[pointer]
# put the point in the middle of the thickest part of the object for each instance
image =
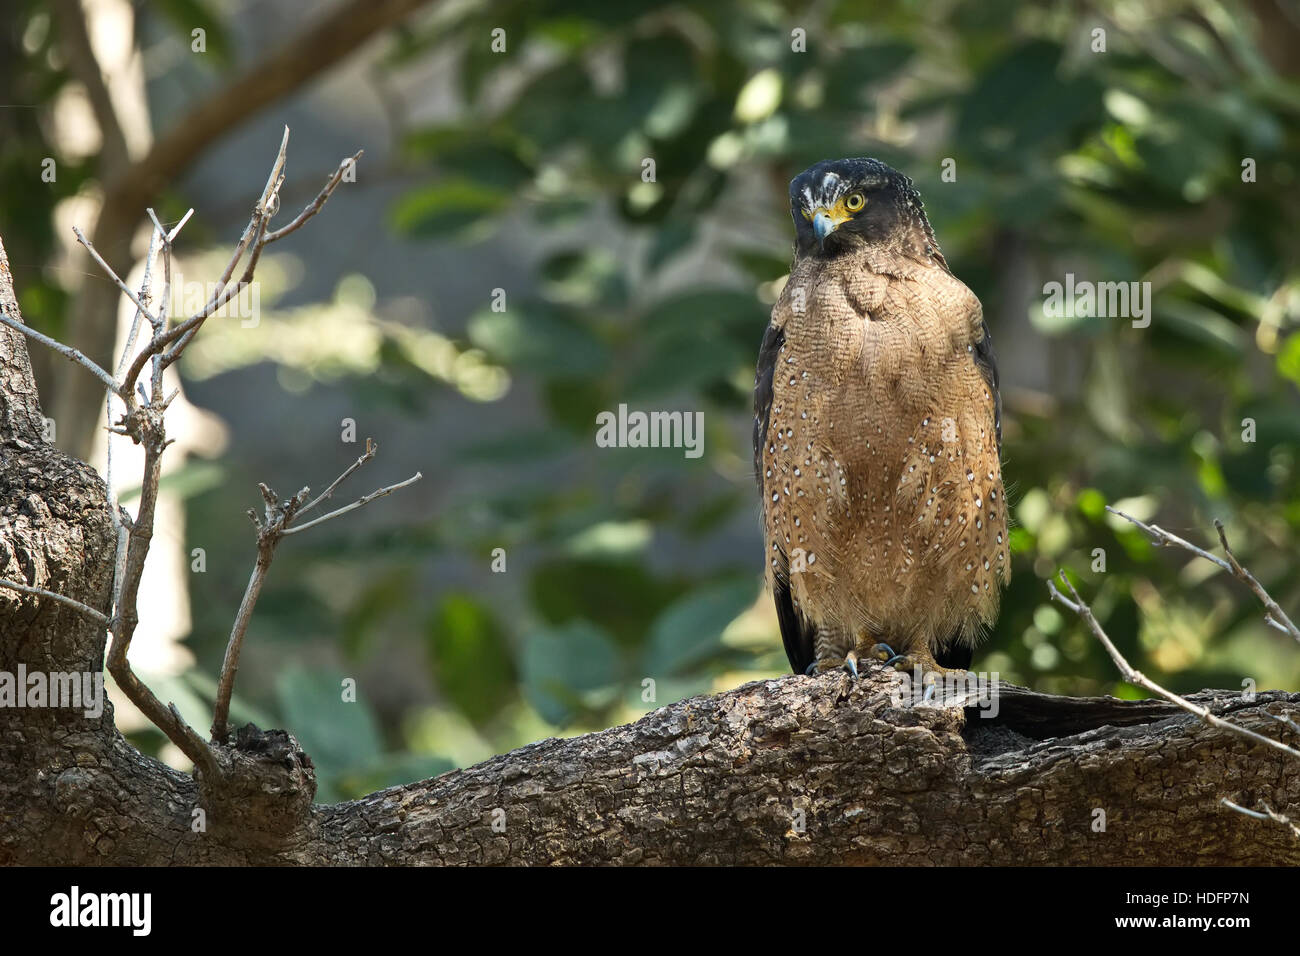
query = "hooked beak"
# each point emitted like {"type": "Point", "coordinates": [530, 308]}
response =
{"type": "Point", "coordinates": [823, 225]}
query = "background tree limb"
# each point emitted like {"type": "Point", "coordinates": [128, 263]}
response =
{"type": "Point", "coordinates": [129, 188]}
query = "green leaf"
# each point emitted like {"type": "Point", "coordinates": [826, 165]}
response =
{"type": "Point", "coordinates": [697, 338]}
{"type": "Point", "coordinates": [720, 311]}
{"type": "Point", "coordinates": [1288, 358]}
{"type": "Point", "coordinates": [190, 15]}
{"type": "Point", "coordinates": [684, 362]}
{"type": "Point", "coordinates": [671, 239]}
{"type": "Point", "coordinates": [1203, 326]}
{"type": "Point", "coordinates": [575, 403]}
{"type": "Point", "coordinates": [380, 597]}
{"type": "Point", "coordinates": [583, 276]}
{"type": "Point", "coordinates": [619, 596]}
{"type": "Point", "coordinates": [561, 664]}
{"type": "Point", "coordinates": [494, 160]}
{"type": "Point", "coordinates": [1022, 102]}
{"type": "Point", "coordinates": [472, 662]}
{"type": "Point", "coordinates": [761, 264]}
{"type": "Point", "coordinates": [539, 337]}
{"type": "Point", "coordinates": [613, 540]}
{"type": "Point", "coordinates": [689, 631]}
{"type": "Point", "coordinates": [558, 109]}
{"type": "Point", "coordinates": [452, 207]}
{"type": "Point", "coordinates": [859, 67]}
{"type": "Point", "coordinates": [335, 733]}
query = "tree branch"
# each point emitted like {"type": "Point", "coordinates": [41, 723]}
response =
{"type": "Point", "coordinates": [126, 192]}
{"type": "Point", "coordinates": [1138, 679]}
{"type": "Point", "coordinates": [83, 609]}
{"type": "Point", "coordinates": [278, 518]}
{"type": "Point", "coordinates": [84, 65]}
{"type": "Point", "coordinates": [370, 452]}
{"type": "Point", "coordinates": [315, 206]}
{"type": "Point", "coordinates": [1267, 813]}
{"type": "Point", "coordinates": [143, 422]}
{"type": "Point", "coordinates": [363, 500]}
{"type": "Point", "coordinates": [821, 770]}
{"type": "Point", "coordinates": [67, 351]}
{"type": "Point", "coordinates": [1276, 617]}
{"type": "Point", "coordinates": [112, 274]}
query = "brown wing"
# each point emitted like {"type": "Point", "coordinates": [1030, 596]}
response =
{"type": "Point", "coordinates": [984, 361]}
{"type": "Point", "coordinates": [796, 633]}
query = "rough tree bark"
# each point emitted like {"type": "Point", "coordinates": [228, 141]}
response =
{"type": "Point", "coordinates": [799, 770]}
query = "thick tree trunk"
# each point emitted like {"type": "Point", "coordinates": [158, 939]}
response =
{"type": "Point", "coordinates": [799, 770]}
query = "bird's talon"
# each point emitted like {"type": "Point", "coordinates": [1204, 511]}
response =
{"type": "Point", "coordinates": [883, 652]}
{"type": "Point", "coordinates": [851, 664]}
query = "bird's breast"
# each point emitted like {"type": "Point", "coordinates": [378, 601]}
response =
{"type": "Point", "coordinates": [881, 458]}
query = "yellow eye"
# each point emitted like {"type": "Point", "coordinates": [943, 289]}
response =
{"type": "Point", "coordinates": [855, 202]}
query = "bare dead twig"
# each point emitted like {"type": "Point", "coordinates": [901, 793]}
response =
{"type": "Point", "coordinates": [108, 270]}
{"type": "Point", "coordinates": [1135, 677]}
{"type": "Point", "coordinates": [142, 420]}
{"type": "Point", "coordinates": [1268, 813]}
{"type": "Point", "coordinates": [268, 536]}
{"type": "Point", "coordinates": [1286, 722]}
{"type": "Point", "coordinates": [84, 609]}
{"type": "Point", "coordinates": [146, 285]}
{"type": "Point", "coordinates": [360, 502]}
{"type": "Point", "coordinates": [275, 525]}
{"type": "Point", "coordinates": [289, 63]}
{"type": "Point", "coordinates": [126, 615]}
{"type": "Point", "coordinates": [1138, 679]}
{"type": "Point", "coordinates": [371, 449]}
{"type": "Point", "coordinates": [253, 241]}
{"type": "Point", "coordinates": [330, 185]}
{"type": "Point", "coordinates": [169, 237]}
{"type": "Point", "coordinates": [67, 351]}
{"type": "Point", "coordinates": [1275, 617]}
{"type": "Point", "coordinates": [265, 207]}
{"type": "Point", "coordinates": [230, 661]}
{"type": "Point", "coordinates": [114, 512]}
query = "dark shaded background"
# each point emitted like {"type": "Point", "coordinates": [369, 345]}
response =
{"type": "Point", "coordinates": [522, 171]}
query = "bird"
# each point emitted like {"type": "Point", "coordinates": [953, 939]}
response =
{"type": "Point", "coordinates": [878, 436]}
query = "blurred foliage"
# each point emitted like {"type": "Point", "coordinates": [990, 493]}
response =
{"type": "Point", "coordinates": [634, 566]}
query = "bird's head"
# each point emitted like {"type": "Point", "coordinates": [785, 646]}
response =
{"type": "Point", "coordinates": [838, 199]}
